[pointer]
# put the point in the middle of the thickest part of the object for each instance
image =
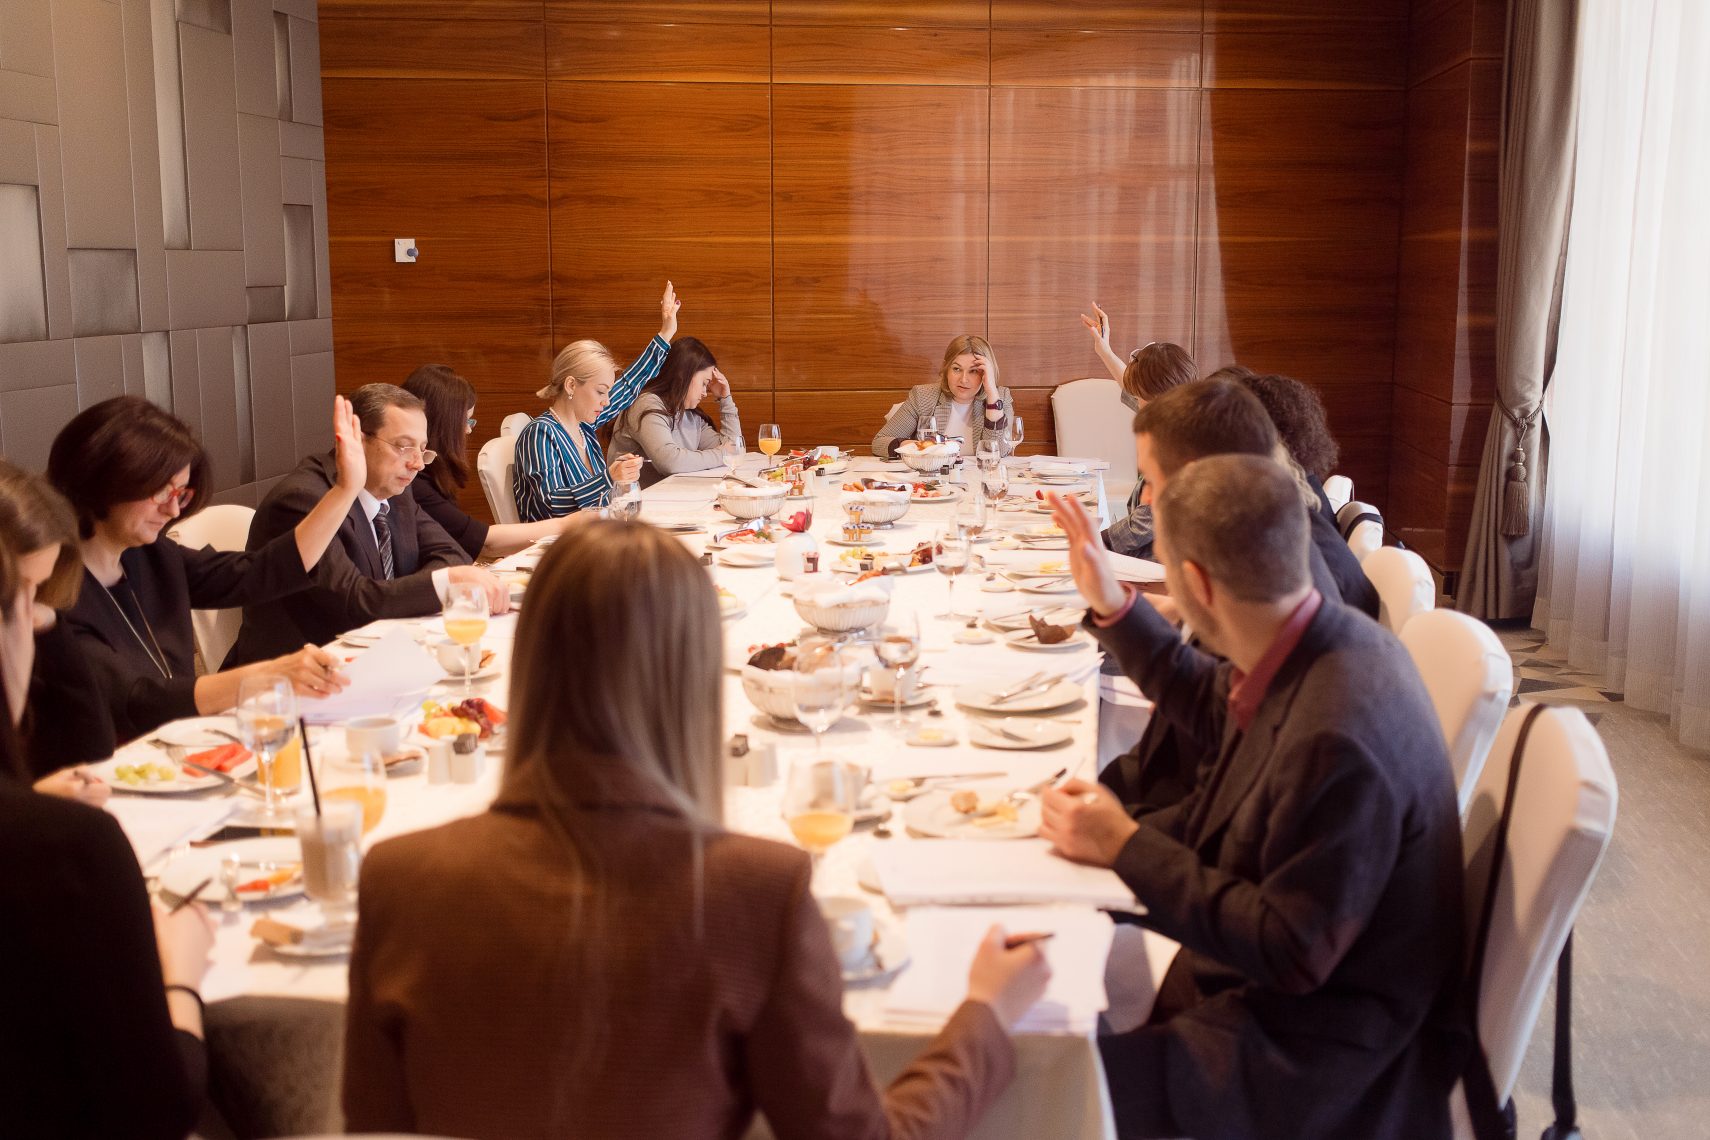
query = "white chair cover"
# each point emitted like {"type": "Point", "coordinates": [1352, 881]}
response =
{"type": "Point", "coordinates": [1362, 526]}
{"type": "Point", "coordinates": [513, 423]}
{"type": "Point", "coordinates": [1404, 585]}
{"type": "Point", "coordinates": [223, 528]}
{"type": "Point", "coordinates": [1564, 814]}
{"type": "Point", "coordinates": [1470, 678]}
{"type": "Point", "coordinates": [1339, 489]}
{"type": "Point", "coordinates": [493, 466]}
{"type": "Point", "coordinates": [1093, 422]}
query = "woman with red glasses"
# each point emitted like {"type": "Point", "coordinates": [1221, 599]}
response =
{"type": "Point", "coordinates": [130, 471]}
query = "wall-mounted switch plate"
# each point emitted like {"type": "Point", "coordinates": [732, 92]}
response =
{"type": "Point", "coordinates": [403, 250]}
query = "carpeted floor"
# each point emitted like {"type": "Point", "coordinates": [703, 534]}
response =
{"type": "Point", "coordinates": [1641, 1018]}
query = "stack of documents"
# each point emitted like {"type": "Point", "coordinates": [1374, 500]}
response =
{"type": "Point", "coordinates": [959, 872]}
{"type": "Point", "coordinates": [156, 825]}
{"type": "Point", "coordinates": [943, 942]}
{"type": "Point", "coordinates": [1129, 569]}
{"type": "Point", "coordinates": [385, 680]}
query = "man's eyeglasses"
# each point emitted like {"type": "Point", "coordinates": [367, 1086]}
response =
{"type": "Point", "coordinates": [183, 495]}
{"type": "Point", "coordinates": [407, 450]}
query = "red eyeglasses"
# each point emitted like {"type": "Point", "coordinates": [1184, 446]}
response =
{"type": "Point", "coordinates": [183, 495]}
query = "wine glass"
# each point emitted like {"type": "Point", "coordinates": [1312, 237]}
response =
{"type": "Point", "coordinates": [951, 558]}
{"type": "Point", "coordinates": [769, 441]}
{"type": "Point", "coordinates": [898, 649]}
{"type": "Point", "coordinates": [820, 800]}
{"type": "Point", "coordinates": [466, 623]}
{"type": "Point", "coordinates": [626, 501]}
{"type": "Point", "coordinates": [819, 686]}
{"type": "Point", "coordinates": [973, 521]}
{"type": "Point", "coordinates": [1014, 433]}
{"type": "Point", "coordinates": [994, 480]}
{"type": "Point", "coordinates": [267, 720]}
{"type": "Point", "coordinates": [730, 450]}
{"type": "Point", "coordinates": [989, 450]}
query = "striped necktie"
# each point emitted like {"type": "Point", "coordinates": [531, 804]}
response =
{"type": "Point", "coordinates": [383, 539]}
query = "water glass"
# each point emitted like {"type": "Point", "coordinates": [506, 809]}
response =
{"type": "Point", "coordinates": [819, 686]}
{"type": "Point", "coordinates": [898, 649]}
{"type": "Point", "coordinates": [951, 558]}
{"type": "Point", "coordinates": [267, 720]}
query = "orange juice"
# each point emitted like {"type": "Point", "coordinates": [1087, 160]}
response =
{"type": "Point", "coordinates": [769, 446]}
{"type": "Point", "coordinates": [372, 799]}
{"type": "Point", "coordinates": [818, 830]}
{"type": "Point", "coordinates": [287, 774]}
{"type": "Point", "coordinates": [464, 630]}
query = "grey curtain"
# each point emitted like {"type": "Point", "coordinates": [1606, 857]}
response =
{"type": "Point", "coordinates": [1535, 188]}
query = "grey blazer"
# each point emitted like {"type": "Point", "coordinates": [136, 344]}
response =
{"type": "Point", "coordinates": [922, 401]}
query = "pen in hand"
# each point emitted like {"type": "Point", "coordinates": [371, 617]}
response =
{"type": "Point", "coordinates": [190, 896]}
{"type": "Point", "coordinates": [1016, 941]}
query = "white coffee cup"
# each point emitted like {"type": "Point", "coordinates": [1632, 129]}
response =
{"type": "Point", "coordinates": [883, 683]}
{"type": "Point", "coordinates": [851, 924]}
{"type": "Point", "coordinates": [381, 735]}
{"type": "Point", "coordinates": [454, 658]}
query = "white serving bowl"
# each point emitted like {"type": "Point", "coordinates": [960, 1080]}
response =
{"type": "Point", "coordinates": [843, 617]}
{"type": "Point", "coordinates": [744, 502]}
{"type": "Point", "coordinates": [769, 689]}
{"type": "Point", "coordinates": [879, 507]}
{"type": "Point", "coordinates": [931, 458]}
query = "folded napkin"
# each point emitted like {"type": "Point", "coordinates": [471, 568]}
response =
{"type": "Point", "coordinates": [834, 593]}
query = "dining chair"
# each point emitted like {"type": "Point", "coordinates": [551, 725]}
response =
{"type": "Point", "coordinates": [223, 527]}
{"type": "Point", "coordinates": [1361, 526]}
{"type": "Point", "coordinates": [513, 423]}
{"type": "Point", "coordinates": [1563, 812]}
{"type": "Point", "coordinates": [1092, 421]}
{"type": "Point", "coordinates": [1339, 489]}
{"type": "Point", "coordinates": [494, 465]}
{"type": "Point", "coordinates": [1404, 585]}
{"type": "Point", "coordinates": [1469, 677]}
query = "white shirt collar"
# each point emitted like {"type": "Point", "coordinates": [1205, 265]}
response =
{"type": "Point", "coordinates": [370, 505]}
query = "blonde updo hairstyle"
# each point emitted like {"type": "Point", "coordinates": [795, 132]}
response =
{"type": "Point", "coordinates": [967, 342]}
{"type": "Point", "coordinates": [574, 363]}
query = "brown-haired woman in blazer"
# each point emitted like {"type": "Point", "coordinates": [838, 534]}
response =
{"type": "Point", "coordinates": [598, 957]}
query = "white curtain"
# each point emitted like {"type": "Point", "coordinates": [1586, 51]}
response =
{"type": "Point", "coordinates": [1625, 579]}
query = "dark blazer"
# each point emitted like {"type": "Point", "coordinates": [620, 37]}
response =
{"type": "Point", "coordinates": [1313, 878]}
{"type": "Point", "coordinates": [168, 581]}
{"type": "Point", "coordinates": [67, 720]}
{"type": "Point", "coordinates": [1328, 546]}
{"type": "Point", "coordinates": [89, 1046]}
{"type": "Point", "coordinates": [465, 530]}
{"type": "Point", "coordinates": [347, 589]}
{"type": "Point", "coordinates": [460, 996]}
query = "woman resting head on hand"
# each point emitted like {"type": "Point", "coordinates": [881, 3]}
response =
{"type": "Point", "coordinates": [965, 403]}
{"type": "Point", "coordinates": [666, 426]}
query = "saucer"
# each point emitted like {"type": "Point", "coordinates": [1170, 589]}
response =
{"type": "Point", "coordinates": [887, 957]}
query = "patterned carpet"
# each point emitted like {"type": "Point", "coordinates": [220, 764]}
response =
{"type": "Point", "coordinates": [1543, 676]}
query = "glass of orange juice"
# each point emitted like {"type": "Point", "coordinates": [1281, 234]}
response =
{"type": "Point", "coordinates": [770, 439]}
{"type": "Point", "coordinates": [466, 623]}
{"type": "Point", "coordinates": [820, 801]}
{"type": "Point", "coordinates": [286, 775]}
{"type": "Point", "coordinates": [359, 778]}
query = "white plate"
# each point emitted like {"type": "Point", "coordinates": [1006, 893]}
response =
{"type": "Point", "coordinates": [942, 497]}
{"type": "Point", "coordinates": [1037, 733]}
{"type": "Point", "coordinates": [486, 674]}
{"type": "Point", "coordinates": [746, 557]}
{"type": "Point", "coordinates": [184, 872]}
{"type": "Point", "coordinates": [197, 732]}
{"type": "Point", "coordinates": [1026, 639]}
{"type": "Point", "coordinates": [835, 541]}
{"type": "Point", "coordinates": [1065, 614]}
{"type": "Point", "coordinates": [730, 606]}
{"type": "Point", "coordinates": [1057, 480]}
{"type": "Point", "coordinates": [867, 696]}
{"type": "Point", "coordinates": [133, 754]}
{"type": "Point", "coordinates": [931, 814]}
{"type": "Point", "coordinates": [299, 953]}
{"type": "Point", "coordinates": [979, 697]}
{"type": "Point", "coordinates": [357, 639]}
{"type": "Point", "coordinates": [1045, 585]}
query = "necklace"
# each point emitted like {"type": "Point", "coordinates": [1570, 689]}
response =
{"type": "Point", "coordinates": [155, 654]}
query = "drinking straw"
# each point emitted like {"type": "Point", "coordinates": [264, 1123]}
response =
{"type": "Point", "coordinates": [309, 764]}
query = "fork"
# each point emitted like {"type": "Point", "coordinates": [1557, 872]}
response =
{"type": "Point", "coordinates": [1042, 682]}
{"type": "Point", "coordinates": [1007, 694]}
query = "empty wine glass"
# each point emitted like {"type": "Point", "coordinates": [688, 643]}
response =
{"type": "Point", "coordinates": [267, 719]}
{"type": "Point", "coordinates": [1014, 433]}
{"type": "Point", "coordinates": [951, 558]}
{"type": "Point", "coordinates": [898, 649]}
{"type": "Point", "coordinates": [819, 686]}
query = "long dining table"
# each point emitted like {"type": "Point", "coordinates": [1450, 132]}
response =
{"type": "Point", "coordinates": [275, 1022]}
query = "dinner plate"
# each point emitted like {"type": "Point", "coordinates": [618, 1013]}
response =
{"type": "Point", "coordinates": [198, 732]}
{"type": "Point", "coordinates": [730, 606]}
{"type": "Point", "coordinates": [486, 674]}
{"type": "Point", "coordinates": [940, 497]}
{"type": "Point", "coordinates": [1036, 584]}
{"type": "Point", "coordinates": [298, 952]}
{"type": "Point", "coordinates": [1065, 614]}
{"type": "Point", "coordinates": [131, 755]}
{"type": "Point", "coordinates": [1032, 731]}
{"type": "Point", "coordinates": [1055, 480]}
{"type": "Point", "coordinates": [258, 856]}
{"type": "Point", "coordinates": [1027, 639]}
{"type": "Point", "coordinates": [358, 639]}
{"type": "Point", "coordinates": [745, 557]}
{"type": "Point", "coordinates": [931, 814]}
{"type": "Point", "coordinates": [835, 541]}
{"type": "Point", "coordinates": [979, 698]}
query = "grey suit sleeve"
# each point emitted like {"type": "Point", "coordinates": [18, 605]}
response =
{"type": "Point", "coordinates": [902, 423]}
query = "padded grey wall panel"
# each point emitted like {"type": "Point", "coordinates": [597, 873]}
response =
{"type": "Point", "coordinates": [252, 44]}
{"type": "Point", "coordinates": [23, 288]}
{"type": "Point", "coordinates": [270, 400]}
{"type": "Point", "coordinates": [157, 367]}
{"type": "Point", "coordinates": [131, 354]}
{"type": "Point", "coordinates": [281, 65]}
{"type": "Point", "coordinates": [266, 304]}
{"type": "Point", "coordinates": [147, 206]}
{"type": "Point", "coordinates": [263, 202]}
{"type": "Point", "coordinates": [302, 9]}
{"type": "Point", "coordinates": [300, 140]}
{"type": "Point", "coordinates": [211, 138]}
{"type": "Point", "coordinates": [94, 121]}
{"type": "Point", "coordinates": [305, 72]}
{"type": "Point", "coordinates": [27, 98]}
{"type": "Point", "coordinates": [37, 364]}
{"type": "Point", "coordinates": [217, 382]}
{"type": "Point", "coordinates": [311, 394]}
{"type": "Point", "coordinates": [26, 36]}
{"type": "Point", "coordinates": [240, 396]}
{"type": "Point", "coordinates": [169, 123]}
{"type": "Point", "coordinates": [323, 264]}
{"type": "Point", "coordinates": [215, 15]}
{"type": "Point", "coordinates": [103, 292]}
{"type": "Point", "coordinates": [205, 288]}
{"type": "Point", "coordinates": [186, 385]}
{"type": "Point", "coordinates": [300, 263]}
{"type": "Point", "coordinates": [29, 421]}
{"type": "Point", "coordinates": [56, 271]}
{"type": "Point", "coordinates": [18, 154]}
{"type": "Point", "coordinates": [100, 369]}
{"type": "Point", "coordinates": [297, 177]}
{"type": "Point", "coordinates": [311, 336]}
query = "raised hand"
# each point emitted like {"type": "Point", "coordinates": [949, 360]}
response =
{"type": "Point", "coordinates": [347, 446]}
{"type": "Point", "coordinates": [1098, 327]}
{"type": "Point", "coordinates": [1093, 576]}
{"type": "Point", "coordinates": [668, 306]}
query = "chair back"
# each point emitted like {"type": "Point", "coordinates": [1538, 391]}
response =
{"type": "Point", "coordinates": [1093, 422]}
{"type": "Point", "coordinates": [224, 527]}
{"type": "Point", "coordinates": [1404, 585]}
{"type": "Point", "coordinates": [494, 464]}
{"type": "Point", "coordinates": [513, 424]}
{"type": "Point", "coordinates": [1361, 526]}
{"type": "Point", "coordinates": [1339, 489]}
{"type": "Point", "coordinates": [1469, 677]}
{"type": "Point", "coordinates": [1564, 814]}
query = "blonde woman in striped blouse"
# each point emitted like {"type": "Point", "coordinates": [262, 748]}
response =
{"type": "Point", "coordinates": [559, 465]}
{"type": "Point", "coordinates": [966, 401]}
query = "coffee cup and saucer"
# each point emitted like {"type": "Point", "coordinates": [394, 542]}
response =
{"type": "Point", "coordinates": [868, 951]}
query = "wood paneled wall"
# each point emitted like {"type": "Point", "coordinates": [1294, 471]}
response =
{"type": "Point", "coordinates": [837, 187]}
{"type": "Point", "coordinates": [1446, 317]}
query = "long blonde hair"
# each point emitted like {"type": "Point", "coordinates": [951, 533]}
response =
{"type": "Point", "coordinates": [573, 362]}
{"type": "Point", "coordinates": [967, 342]}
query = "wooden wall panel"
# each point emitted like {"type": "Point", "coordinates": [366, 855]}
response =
{"type": "Point", "coordinates": [391, 47]}
{"type": "Point", "coordinates": [1098, 15]}
{"type": "Point", "coordinates": [880, 55]}
{"type": "Point", "coordinates": [656, 53]}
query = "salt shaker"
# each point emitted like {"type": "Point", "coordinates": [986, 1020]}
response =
{"type": "Point", "coordinates": [439, 761]}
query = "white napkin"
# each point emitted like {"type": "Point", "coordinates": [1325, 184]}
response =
{"type": "Point", "coordinates": [830, 592]}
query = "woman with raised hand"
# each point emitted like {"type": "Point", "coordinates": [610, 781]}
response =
{"type": "Point", "coordinates": [599, 957]}
{"type": "Point", "coordinates": [666, 426]}
{"type": "Point", "coordinates": [559, 465]}
{"type": "Point", "coordinates": [450, 403]}
{"type": "Point", "coordinates": [101, 1019]}
{"type": "Point", "coordinates": [965, 402]}
{"type": "Point", "coordinates": [130, 471]}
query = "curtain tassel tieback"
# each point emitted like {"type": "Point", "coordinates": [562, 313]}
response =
{"type": "Point", "coordinates": [1516, 491]}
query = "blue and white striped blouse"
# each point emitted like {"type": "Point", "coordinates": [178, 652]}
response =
{"type": "Point", "coordinates": [552, 477]}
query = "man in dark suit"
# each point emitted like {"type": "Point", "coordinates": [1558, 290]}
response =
{"type": "Point", "coordinates": [390, 559]}
{"type": "Point", "coordinates": [1313, 875]}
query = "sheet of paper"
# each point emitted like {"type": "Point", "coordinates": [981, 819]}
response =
{"type": "Point", "coordinates": [959, 872]}
{"type": "Point", "coordinates": [385, 680]}
{"type": "Point", "coordinates": [155, 825]}
{"type": "Point", "coordinates": [1134, 569]}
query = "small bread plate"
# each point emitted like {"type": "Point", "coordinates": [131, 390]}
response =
{"type": "Point", "coordinates": [359, 639]}
{"type": "Point", "coordinates": [729, 605]}
{"type": "Point", "coordinates": [198, 732]}
{"type": "Point", "coordinates": [994, 815]}
{"type": "Point", "coordinates": [980, 698]}
{"type": "Point", "coordinates": [867, 696]}
{"type": "Point", "coordinates": [1018, 732]}
{"type": "Point", "coordinates": [1044, 583]}
{"type": "Point", "coordinates": [491, 672]}
{"type": "Point", "coordinates": [1065, 614]}
{"type": "Point", "coordinates": [748, 557]}
{"type": "Point", "coordinates": [268, 869]}
{"type": "Point", "coordinates": [939, 495]}
{"type": "Point", "coordinates": [1027, 639]}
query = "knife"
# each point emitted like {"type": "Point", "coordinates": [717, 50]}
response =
{"type": "Point", "coordinates": [1041, 683]}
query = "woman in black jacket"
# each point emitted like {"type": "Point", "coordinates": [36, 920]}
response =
{"type": "Point", "coordinates": [131, 470]}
